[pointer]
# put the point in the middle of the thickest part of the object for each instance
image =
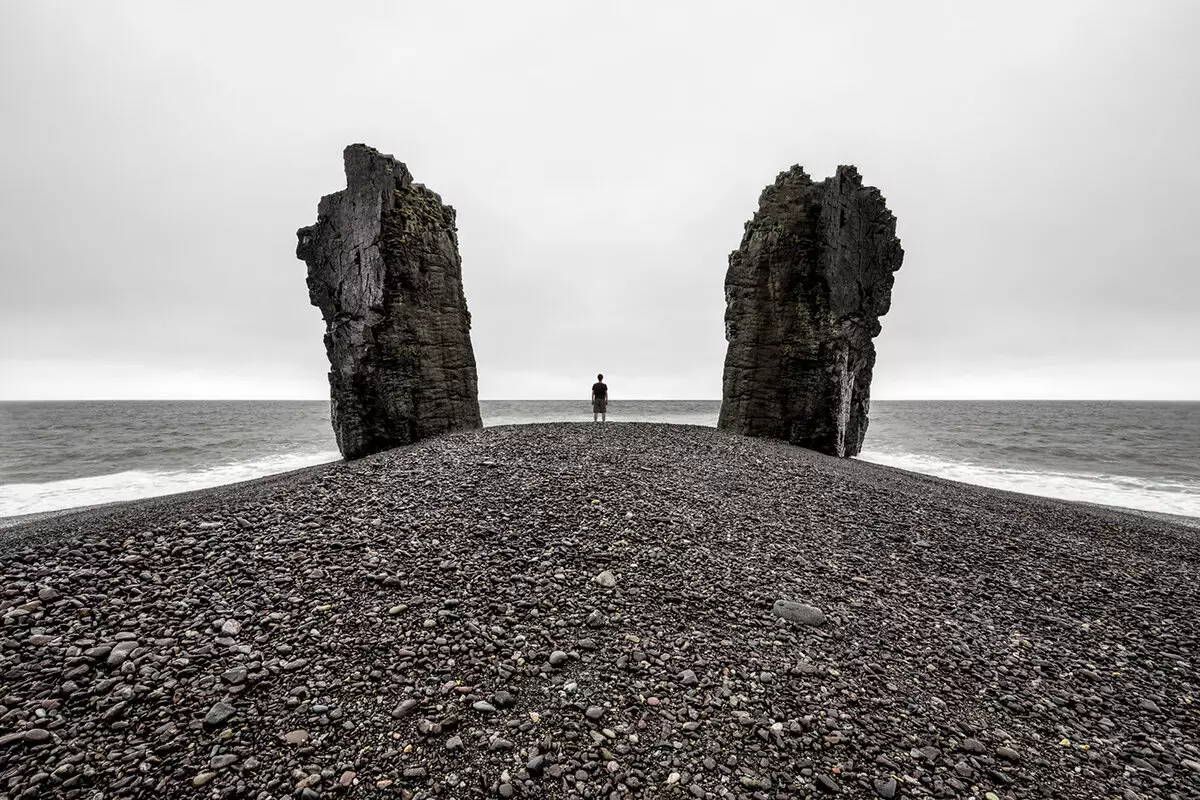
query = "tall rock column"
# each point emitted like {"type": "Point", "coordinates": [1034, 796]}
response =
{"type": "Point", "coordinates": [804, 294]}
{"type": "Point", "coordinates": [384, 268]}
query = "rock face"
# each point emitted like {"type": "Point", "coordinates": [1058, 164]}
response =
{"type": "Point", "coordinates": [804, 294]}
{"type": "Point", "coordinates": [384, 269]}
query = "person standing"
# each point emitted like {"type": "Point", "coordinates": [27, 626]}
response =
{"type": "Point", "coordinates": [599, 399]}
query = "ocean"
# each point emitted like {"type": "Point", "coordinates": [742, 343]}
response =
{"type": "Point", "coordinates": [57, 455]}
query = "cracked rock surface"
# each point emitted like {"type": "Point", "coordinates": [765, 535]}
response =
{"type": "Point", "coordinates": [384, 268]}
{"type": "Point", "coordinates": [804, 293]}
{"type": "Point", "coordinates": [426, 622]}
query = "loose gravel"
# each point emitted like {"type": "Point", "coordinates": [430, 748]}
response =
{"type": "Point", "coordinates": [586, 611]}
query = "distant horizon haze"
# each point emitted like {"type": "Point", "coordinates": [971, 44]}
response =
{"type": "Point", "coordinates": [584, 400]}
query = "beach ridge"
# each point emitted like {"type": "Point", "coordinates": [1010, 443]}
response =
{"type": "Point", "coordinates": [562, 610]}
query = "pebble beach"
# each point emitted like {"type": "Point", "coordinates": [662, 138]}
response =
{"type": "Point", "coordinates": [574, 610]}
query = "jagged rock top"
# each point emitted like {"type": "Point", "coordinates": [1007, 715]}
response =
{"type": "Point", "coordinates": [843, 211]}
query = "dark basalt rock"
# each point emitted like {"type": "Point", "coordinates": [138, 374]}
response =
{"type": "Point", "coordinates": [804, 294]}
{"type": "Point", "coordinates": [384, 268]}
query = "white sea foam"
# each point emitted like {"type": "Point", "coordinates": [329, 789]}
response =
{"type": "Point", "coordinates": [35, 498]}
{"type": "Point", "coordinates": [1166, 497]}
{"type": "Point", "coordinates": [1128, 492]}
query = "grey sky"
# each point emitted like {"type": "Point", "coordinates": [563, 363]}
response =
{"type": "Point", "coordinates": [1042, 159]}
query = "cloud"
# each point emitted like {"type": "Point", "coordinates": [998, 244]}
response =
{"type": "Point", "coordinates": [156, 160]}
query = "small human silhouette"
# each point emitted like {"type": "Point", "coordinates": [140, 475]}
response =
{"type": "Point", "coordinates": [599, 399]}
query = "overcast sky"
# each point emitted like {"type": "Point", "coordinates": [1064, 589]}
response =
{"type": "Point", "coordinates": [156, 159]}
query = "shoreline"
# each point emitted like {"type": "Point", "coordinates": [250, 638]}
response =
{"type": "Point", "coordinates": [22, 520]}
{"type": "Point", "coordinates": [44, 522]}
{"type": "Point", "coordinates": [560, 611]}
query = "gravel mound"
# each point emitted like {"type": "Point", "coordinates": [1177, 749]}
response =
{"type": "Point", "coordinates": [577, 611]}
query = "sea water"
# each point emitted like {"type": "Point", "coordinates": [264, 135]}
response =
{"type": "Point", "coordinates": [58, 455]}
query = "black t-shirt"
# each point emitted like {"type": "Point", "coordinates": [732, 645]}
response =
{"type": "Point", "coordinates": [600, 390]}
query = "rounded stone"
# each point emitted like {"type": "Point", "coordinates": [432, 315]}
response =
{"type": "Point", "coordinates": [203, 778]}
{"type": "Point", "coordinates": [972, 746]}
{"type": "Point", "coordinates": [1008, 754]}
{"type": "Point", "coordinates": [828, 784]}
{"type": "Point", "coordinates": [298, 736]}
{"type": "Point", "coordinates": [218, 715]}
{"type": "Point", "coordinates": [798, 612]}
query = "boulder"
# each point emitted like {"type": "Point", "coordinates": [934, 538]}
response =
{"type": "Point", "coordinates": [804, 293]}
{"type": "Point", "coordinates": [384, 269]}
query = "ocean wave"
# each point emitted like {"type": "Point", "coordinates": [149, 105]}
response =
{"type": "Point", "coordinates": [1166, 496]}
{"type": "Point", "coordinates": [1162, 495]}
{"type": "Point", "coordinates": [36, 498]}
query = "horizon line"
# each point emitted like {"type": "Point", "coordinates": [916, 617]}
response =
{"type": "Point", "coordinates": [629, 399]}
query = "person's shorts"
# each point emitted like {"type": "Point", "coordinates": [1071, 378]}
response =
{"type": "Point", "coordinates": [599, 406]}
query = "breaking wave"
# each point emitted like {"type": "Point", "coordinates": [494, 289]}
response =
{"type": "Point", "coordinates": [1162, 496]}
{"type": "Point", "coordinates": [34, 498]}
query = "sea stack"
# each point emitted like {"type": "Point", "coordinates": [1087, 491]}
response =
{"type": "Point", "coordinates": [804, 294]}
{"type": "Point", "coordinates": [384, 268]}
